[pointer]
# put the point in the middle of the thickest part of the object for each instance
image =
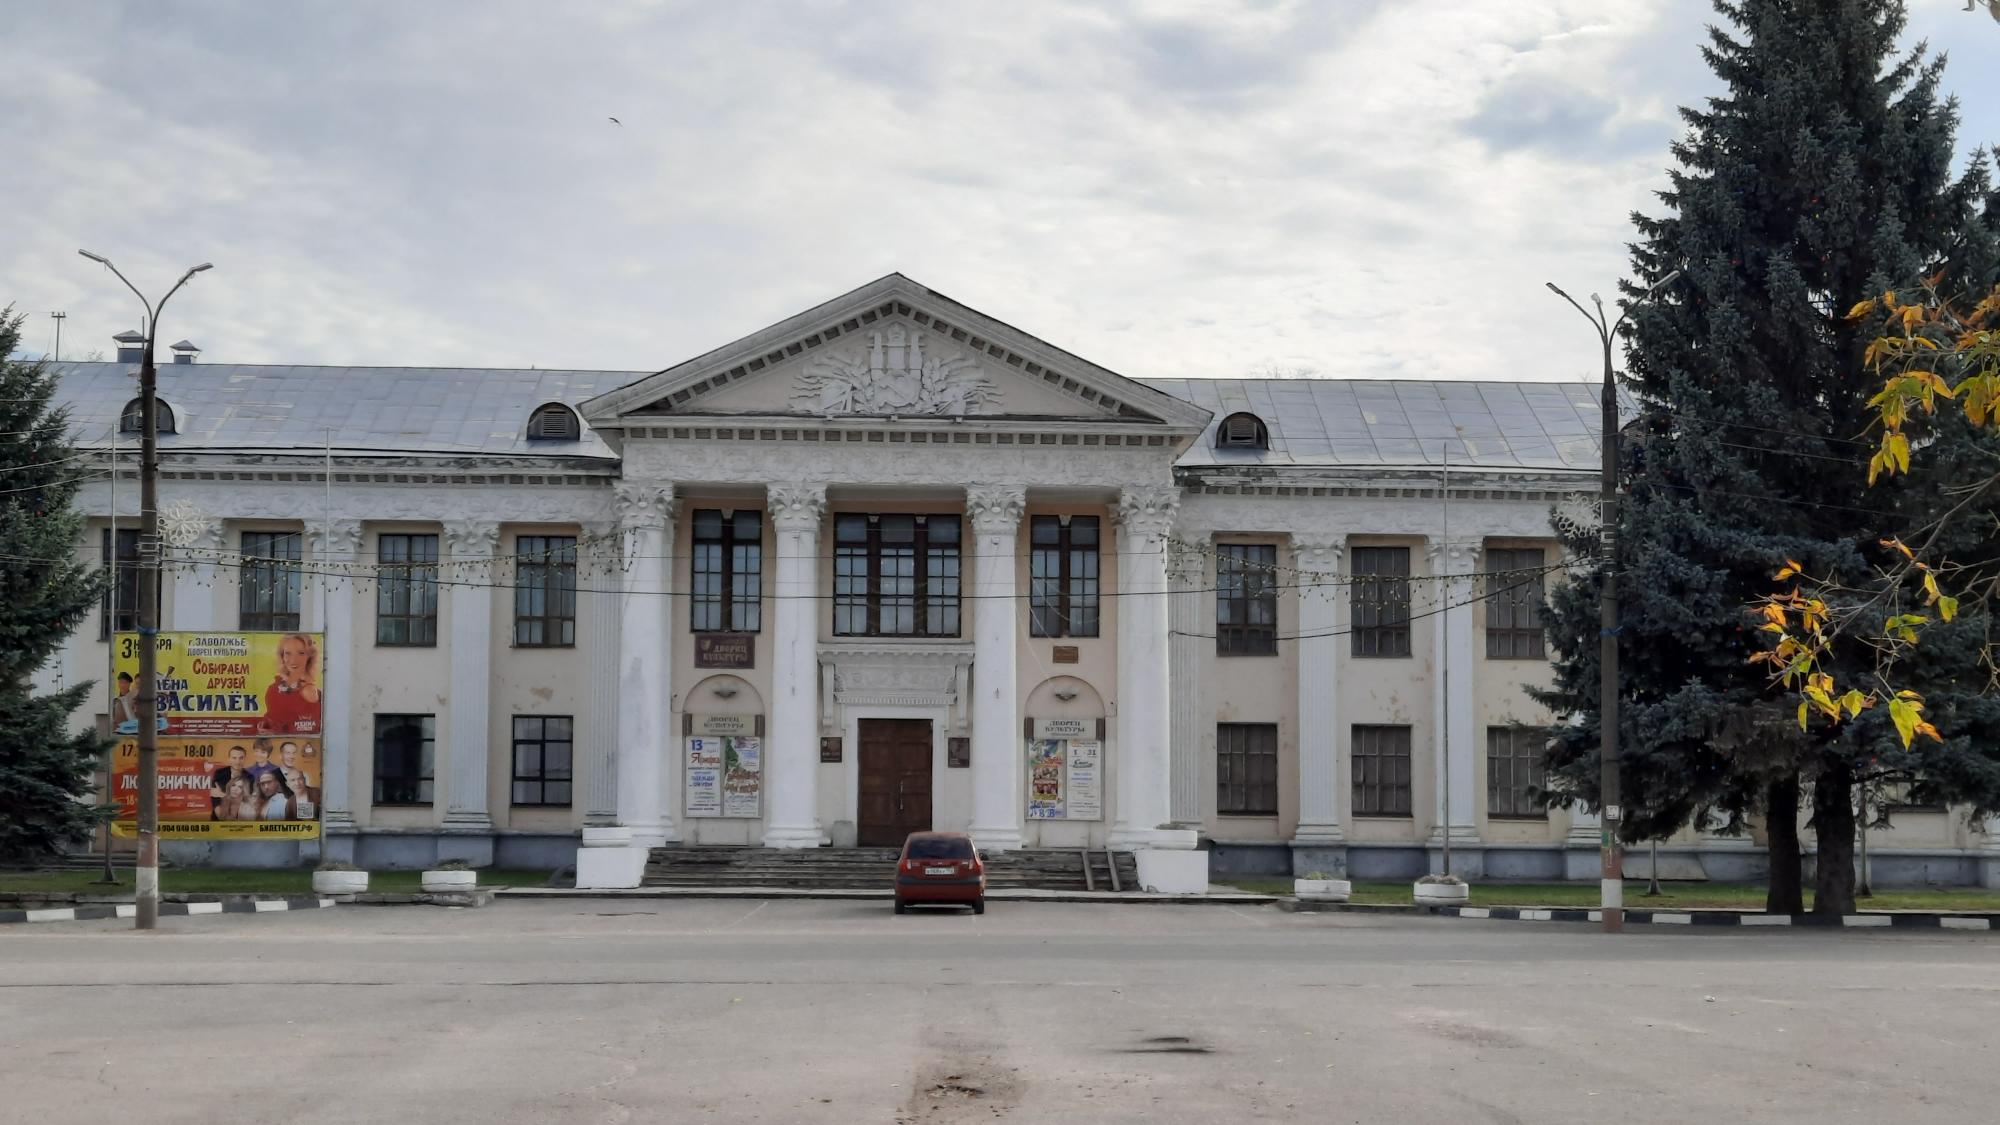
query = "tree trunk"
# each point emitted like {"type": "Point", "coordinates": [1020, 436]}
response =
{"type": "Point", "coordinates": [1833, 826]}
{"type": "Point", "coordinates": [1786, 893]}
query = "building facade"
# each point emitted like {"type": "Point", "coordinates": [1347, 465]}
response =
{"type": "Point", "coordinates": [891, 564]}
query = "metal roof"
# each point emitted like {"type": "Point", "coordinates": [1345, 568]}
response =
{"type": "Point", "coordinates": [1396, 423]}
{"type": "Point", "coordinates": [443, 411]}
{"type": "Point", "coordinates": [437, 411]}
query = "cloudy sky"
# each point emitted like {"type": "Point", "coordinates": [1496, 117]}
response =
{"type": "Point", "coordinates": [1168, 189]}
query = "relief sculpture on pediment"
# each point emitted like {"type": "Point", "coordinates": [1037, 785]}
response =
{"type": "Point", "coordinates": [892, 375]}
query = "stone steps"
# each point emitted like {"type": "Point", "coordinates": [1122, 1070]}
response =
{"type": "Point", "coordinates": [808, 868]}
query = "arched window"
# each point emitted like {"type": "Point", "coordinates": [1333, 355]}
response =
{"type": "Point", "coordinates": [132, 419]}
{"type": "Point", "coordinates": [554, 422]}
{"type": "Point", "coordinates": [1242, 431]}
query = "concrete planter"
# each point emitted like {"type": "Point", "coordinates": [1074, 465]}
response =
{"type": "Point", "coordinates": [1443, 894]}
{"type": "Point", "coordinates": [340, 882]}
{"type": "Point", "coordinates": [450, 880]}
{"type": "Point", "coordinates": [607, 836]}
{"type": "Point", "coordinates": [1323, 890]}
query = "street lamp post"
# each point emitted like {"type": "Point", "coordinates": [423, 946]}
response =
{"type": "Point", "coordinates": [1611, 874]}
{"type": "Point", "coordinates": [147, 869]}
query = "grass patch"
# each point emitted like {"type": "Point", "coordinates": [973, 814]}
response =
{"type": "Point", "coordinates": [1673, 896]}
{"type": "Point", "coordinates": [212, 880]}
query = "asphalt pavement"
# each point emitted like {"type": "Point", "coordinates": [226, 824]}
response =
{"type": "Point", "coordinates": [829, 1011]}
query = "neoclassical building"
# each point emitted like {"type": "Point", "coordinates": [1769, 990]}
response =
{"type": "Point", "coordinates": [886, 565]}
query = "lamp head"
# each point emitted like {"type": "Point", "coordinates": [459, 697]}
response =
{"type": "Point", "coordinates": [98, 258]}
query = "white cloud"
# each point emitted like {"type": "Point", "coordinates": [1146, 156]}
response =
{"type": "Point", "coordinates": [1361, 189]}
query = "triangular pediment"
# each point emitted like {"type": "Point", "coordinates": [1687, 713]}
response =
{"type": "Point", "coordinates": [894, 349]}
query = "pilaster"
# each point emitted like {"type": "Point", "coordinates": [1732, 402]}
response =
{"type": "Point", "coordinates": [1453, 565]}
{"type": "Point", "coordinates": [340, 543]}
{"type": "Point", "coordinates": [471, 601]}
{"type": "Point", "coordinates": [1191, 618]}
{"type": "Point", "coordinates": [598, 767]}
{"type": "Point", "coordinates": [1321, 781]}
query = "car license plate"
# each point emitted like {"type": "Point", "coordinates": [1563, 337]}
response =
{"type": "Point", "coordinates": [940, 870]}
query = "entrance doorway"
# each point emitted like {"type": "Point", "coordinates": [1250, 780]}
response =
{"type": "Point", "coordinates": [895, 767]}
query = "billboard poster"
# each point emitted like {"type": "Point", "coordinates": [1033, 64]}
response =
{"type": "Point", "coordinates": [1083, 783]}
{"type": "Point", "coordinates": [703, 792]}
{"type": "Point", "coordinates": [264, 787]}
{"type": "Point", "coordinates": [742, 776]}
{"type": "Point", "coordinates": [1045, 778]}
{"type": "Point", "coordinates": [239, 725]}
{"type": "Point", "coordinates": [224, 685]}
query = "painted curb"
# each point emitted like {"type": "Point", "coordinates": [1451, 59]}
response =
{"type": "Point", "coordinates": [167, 909]}
{"type": "Point", "coordinates": [1900, 920]}
{"type": "Point", "coordinates": [1000, 894]}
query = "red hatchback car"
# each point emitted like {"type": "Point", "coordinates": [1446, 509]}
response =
{"type": "Point", "coordinates": [941, 868]}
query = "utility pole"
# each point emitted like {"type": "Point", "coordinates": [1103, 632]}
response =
{"type": "Point", "coordinates": [58, 317]}
{"type": "Point", "coordinates": [1611, 876]}
{"type": "Point", "coordinates": [147, 869]}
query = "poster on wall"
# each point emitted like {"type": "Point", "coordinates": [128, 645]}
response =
{"type": "Point", "coordinates": [225, 788]}
{"type": "Point", "coordinates": [743, 776]}
{"type": "Point", "coordinates": [1045, 778]}
{"type": "Point", "coordinates": [239, 722]}
{"type": "Point", "coordinates": [223, 685]}
{"type": "Point", "coordinates": [1083, 782]}
{"type": "Point", "coordinates": [1065, 771]}
{"type": "Point", "coordinates": [704, 776]}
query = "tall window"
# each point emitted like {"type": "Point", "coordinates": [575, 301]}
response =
{"type": "Point", "coordinates": [1381, 757]}
{"type": "Point", "coordinates": [1246, 599]}
{"type": "Point", "coordinates": [1514, 603]}
{"type": "Point", "coordinates": [120, 604]}
{"type": "Point", "coordinates": [544, 591]}
{"type": "Point", "coordinates": [404, 759]}
{"type": "Point", "coordinates": [269, 593]}
{"type": "Point", "coordinates": [542, 760]}
{"type": "Point", "coordinates": [1513, 769]}
{"type": "Point", "coordinates": [1246, 769]}
{"type": "Point", "coordinates": [895, 576]}
{"type": "Point", "coordinates": [1381, 596]}
{"type": "Point", "coordinates": [406, 590]}
{"type": "Point", "coordinates": [1062, 576]}
{"type": "Point", "coordinates": [728, 571]}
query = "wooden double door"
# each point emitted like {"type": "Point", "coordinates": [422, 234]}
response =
{"type": "Point", "coordinates": [895, 765]}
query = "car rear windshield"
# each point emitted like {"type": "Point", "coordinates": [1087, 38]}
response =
{"type": "Point", "coordinates": [940, 847]}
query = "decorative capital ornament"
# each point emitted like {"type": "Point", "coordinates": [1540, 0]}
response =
{"type": "Point", "coordinates": [796, 507]}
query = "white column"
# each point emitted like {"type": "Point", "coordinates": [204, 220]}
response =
{"type": "Point", "coordinates": [1320, 779]}
{"type": "Point", "coordinates": [342, 549]}
{"type": "Point", "coordinates": [194, 570]}
{"type": "Point", "coordinates": [1989, 859]}
{"type": "Point", "coordinates": [791, 753]}
{"type": "Point", "coordinates": [471, 599]}
{"type": "Point", "coordinates": [1191, 614]}
{"type": "Point", "coordinates": [1455, 560]}
{"type": "Point", "coordinates": [1145, 519]}
{"type": "Point", "coordinates": [598, 767]}
{"type": "Point", "coordinates": [997, 760]}
{"type": "Point", "coordinates": [645, 663]}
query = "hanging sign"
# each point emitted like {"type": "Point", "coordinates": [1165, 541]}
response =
{"type": "Point", "coordinates": [1065, 728]}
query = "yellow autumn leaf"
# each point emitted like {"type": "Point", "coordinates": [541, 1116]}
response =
{"type": "Point", "coordinates": [1947, 607]}
{"type": "Point", "coordinates": [1904, 715]}
{"type": "Point", "coordinates": [1802, 721]}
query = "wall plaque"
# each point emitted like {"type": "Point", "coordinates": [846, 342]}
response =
{"type": "Point", "coordinates": [1065, 654]}
{"type": "Point", "coordinates": [829, 750]}
{"type": "Point", "coordinates": [1065, 728]}
{"type": "Point", "coordinates": [724, 726]}
{"type": "Point", "coordinates": [958, 753]}
{"type": "Point", "coordinates": [725, 650]}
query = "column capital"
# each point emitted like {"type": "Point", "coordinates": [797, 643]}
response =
{"type": "Point", "coordinates": [1319, 550]}
{"type": "Point", "coordinates": [796, 507]}
{"type": "Point", "coordinates": [995, 509]}
{"type": "Point", "coordinates": [340, 540]}
{"type": "Point", "coordinates": [1149, 510]}
{"type": "Point", "coordinates": [471, 539]}
{"type": "Point", "coordinates": [1458, 554]}
{"type": "Point", "coordinates": [644, 503]}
